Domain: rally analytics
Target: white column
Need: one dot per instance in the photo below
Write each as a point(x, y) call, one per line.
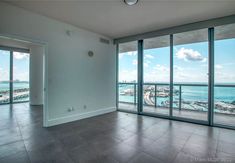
point(36, 75)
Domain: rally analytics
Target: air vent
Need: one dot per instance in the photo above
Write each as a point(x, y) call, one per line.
point(103, 40)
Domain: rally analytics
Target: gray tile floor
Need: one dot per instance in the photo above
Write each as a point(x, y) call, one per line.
point(114, 137)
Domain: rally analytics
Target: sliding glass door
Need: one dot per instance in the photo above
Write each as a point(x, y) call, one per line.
point(4, 76)
point(156, 75)
point(190, 75)
point(14, 76)
point(224, 70)
point(20, 76)
point(127, 76)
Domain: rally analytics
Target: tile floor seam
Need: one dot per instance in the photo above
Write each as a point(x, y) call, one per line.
point(154, 156)
point(23, 141)
point(217, 145)
point(181, 150)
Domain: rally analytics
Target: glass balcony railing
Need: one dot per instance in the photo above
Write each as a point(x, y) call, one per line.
point(193, 97)
point(19, 95)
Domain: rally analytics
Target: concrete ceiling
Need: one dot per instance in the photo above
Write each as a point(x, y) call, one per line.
point(114, 19)
point(221, 32)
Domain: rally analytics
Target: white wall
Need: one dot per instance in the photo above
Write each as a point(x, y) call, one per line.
point(73, 79)
point(36, 75)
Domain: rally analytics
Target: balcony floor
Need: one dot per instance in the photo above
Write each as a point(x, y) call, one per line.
point(218, 118)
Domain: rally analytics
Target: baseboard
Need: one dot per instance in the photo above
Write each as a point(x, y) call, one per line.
point(36, 104)
point(70, 118)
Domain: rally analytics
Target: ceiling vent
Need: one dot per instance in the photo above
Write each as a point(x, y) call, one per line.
point(103, 40)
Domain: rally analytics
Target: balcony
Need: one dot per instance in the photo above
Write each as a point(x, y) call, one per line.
point(189, 100)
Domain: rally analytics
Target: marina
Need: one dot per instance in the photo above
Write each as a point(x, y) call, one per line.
point(185, 96)
point(20, 92)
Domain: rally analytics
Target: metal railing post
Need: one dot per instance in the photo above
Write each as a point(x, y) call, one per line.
point(135, 94)
point(117, 83)
point(180, 89)
point(155, 93)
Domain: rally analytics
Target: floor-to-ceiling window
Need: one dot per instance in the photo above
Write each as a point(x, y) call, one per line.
point(4, 76)
point(224, 72)
point(190, 74)
point(186, 76)
point(14, 76)
point(20, 76)
point(127, 76)
point(156, 75)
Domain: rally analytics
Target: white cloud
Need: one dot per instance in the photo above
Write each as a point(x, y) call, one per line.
point(224, 77)
point(218, 66)
point(4, 52)
point(161, 68)
point(146, 64)
point(121, 55)
point(159, 73)
point(127, 75)
point(131, 53)
point(18, 55)
point(134, 62)
point(22, 76)
point(149, 56)
point(4, 75)
point(178, 68)
point(190, 55)
point(183, 76)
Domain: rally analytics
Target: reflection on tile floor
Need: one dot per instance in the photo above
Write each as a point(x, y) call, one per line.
point(218, 117)
point(113, 137)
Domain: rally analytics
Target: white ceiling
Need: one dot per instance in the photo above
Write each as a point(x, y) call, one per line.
point(114, 19)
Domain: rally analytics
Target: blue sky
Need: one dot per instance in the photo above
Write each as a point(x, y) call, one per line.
point(190, 63)
point(20, 66)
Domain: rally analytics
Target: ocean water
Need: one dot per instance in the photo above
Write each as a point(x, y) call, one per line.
point(189, 93)
point(18, 85)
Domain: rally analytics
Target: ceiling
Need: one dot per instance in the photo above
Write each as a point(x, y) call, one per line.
point(114, 19)
point(201, 35)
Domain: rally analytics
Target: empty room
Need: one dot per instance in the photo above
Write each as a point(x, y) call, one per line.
point(117, 81)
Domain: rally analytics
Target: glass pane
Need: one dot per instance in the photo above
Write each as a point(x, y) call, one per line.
point(190, 87)
point(20, 77)
point(224, 91)
point(156, 92)
point(4, 76)
point(127, 76)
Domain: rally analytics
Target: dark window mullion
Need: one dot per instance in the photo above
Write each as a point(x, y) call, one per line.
point(171, 75)
point(11, 77)
point(211, 77)
point(140, 76)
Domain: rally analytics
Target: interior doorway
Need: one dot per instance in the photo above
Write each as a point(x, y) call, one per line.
point(23, 78)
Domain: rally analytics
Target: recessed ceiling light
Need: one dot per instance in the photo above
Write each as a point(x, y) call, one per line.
point(130, 2)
